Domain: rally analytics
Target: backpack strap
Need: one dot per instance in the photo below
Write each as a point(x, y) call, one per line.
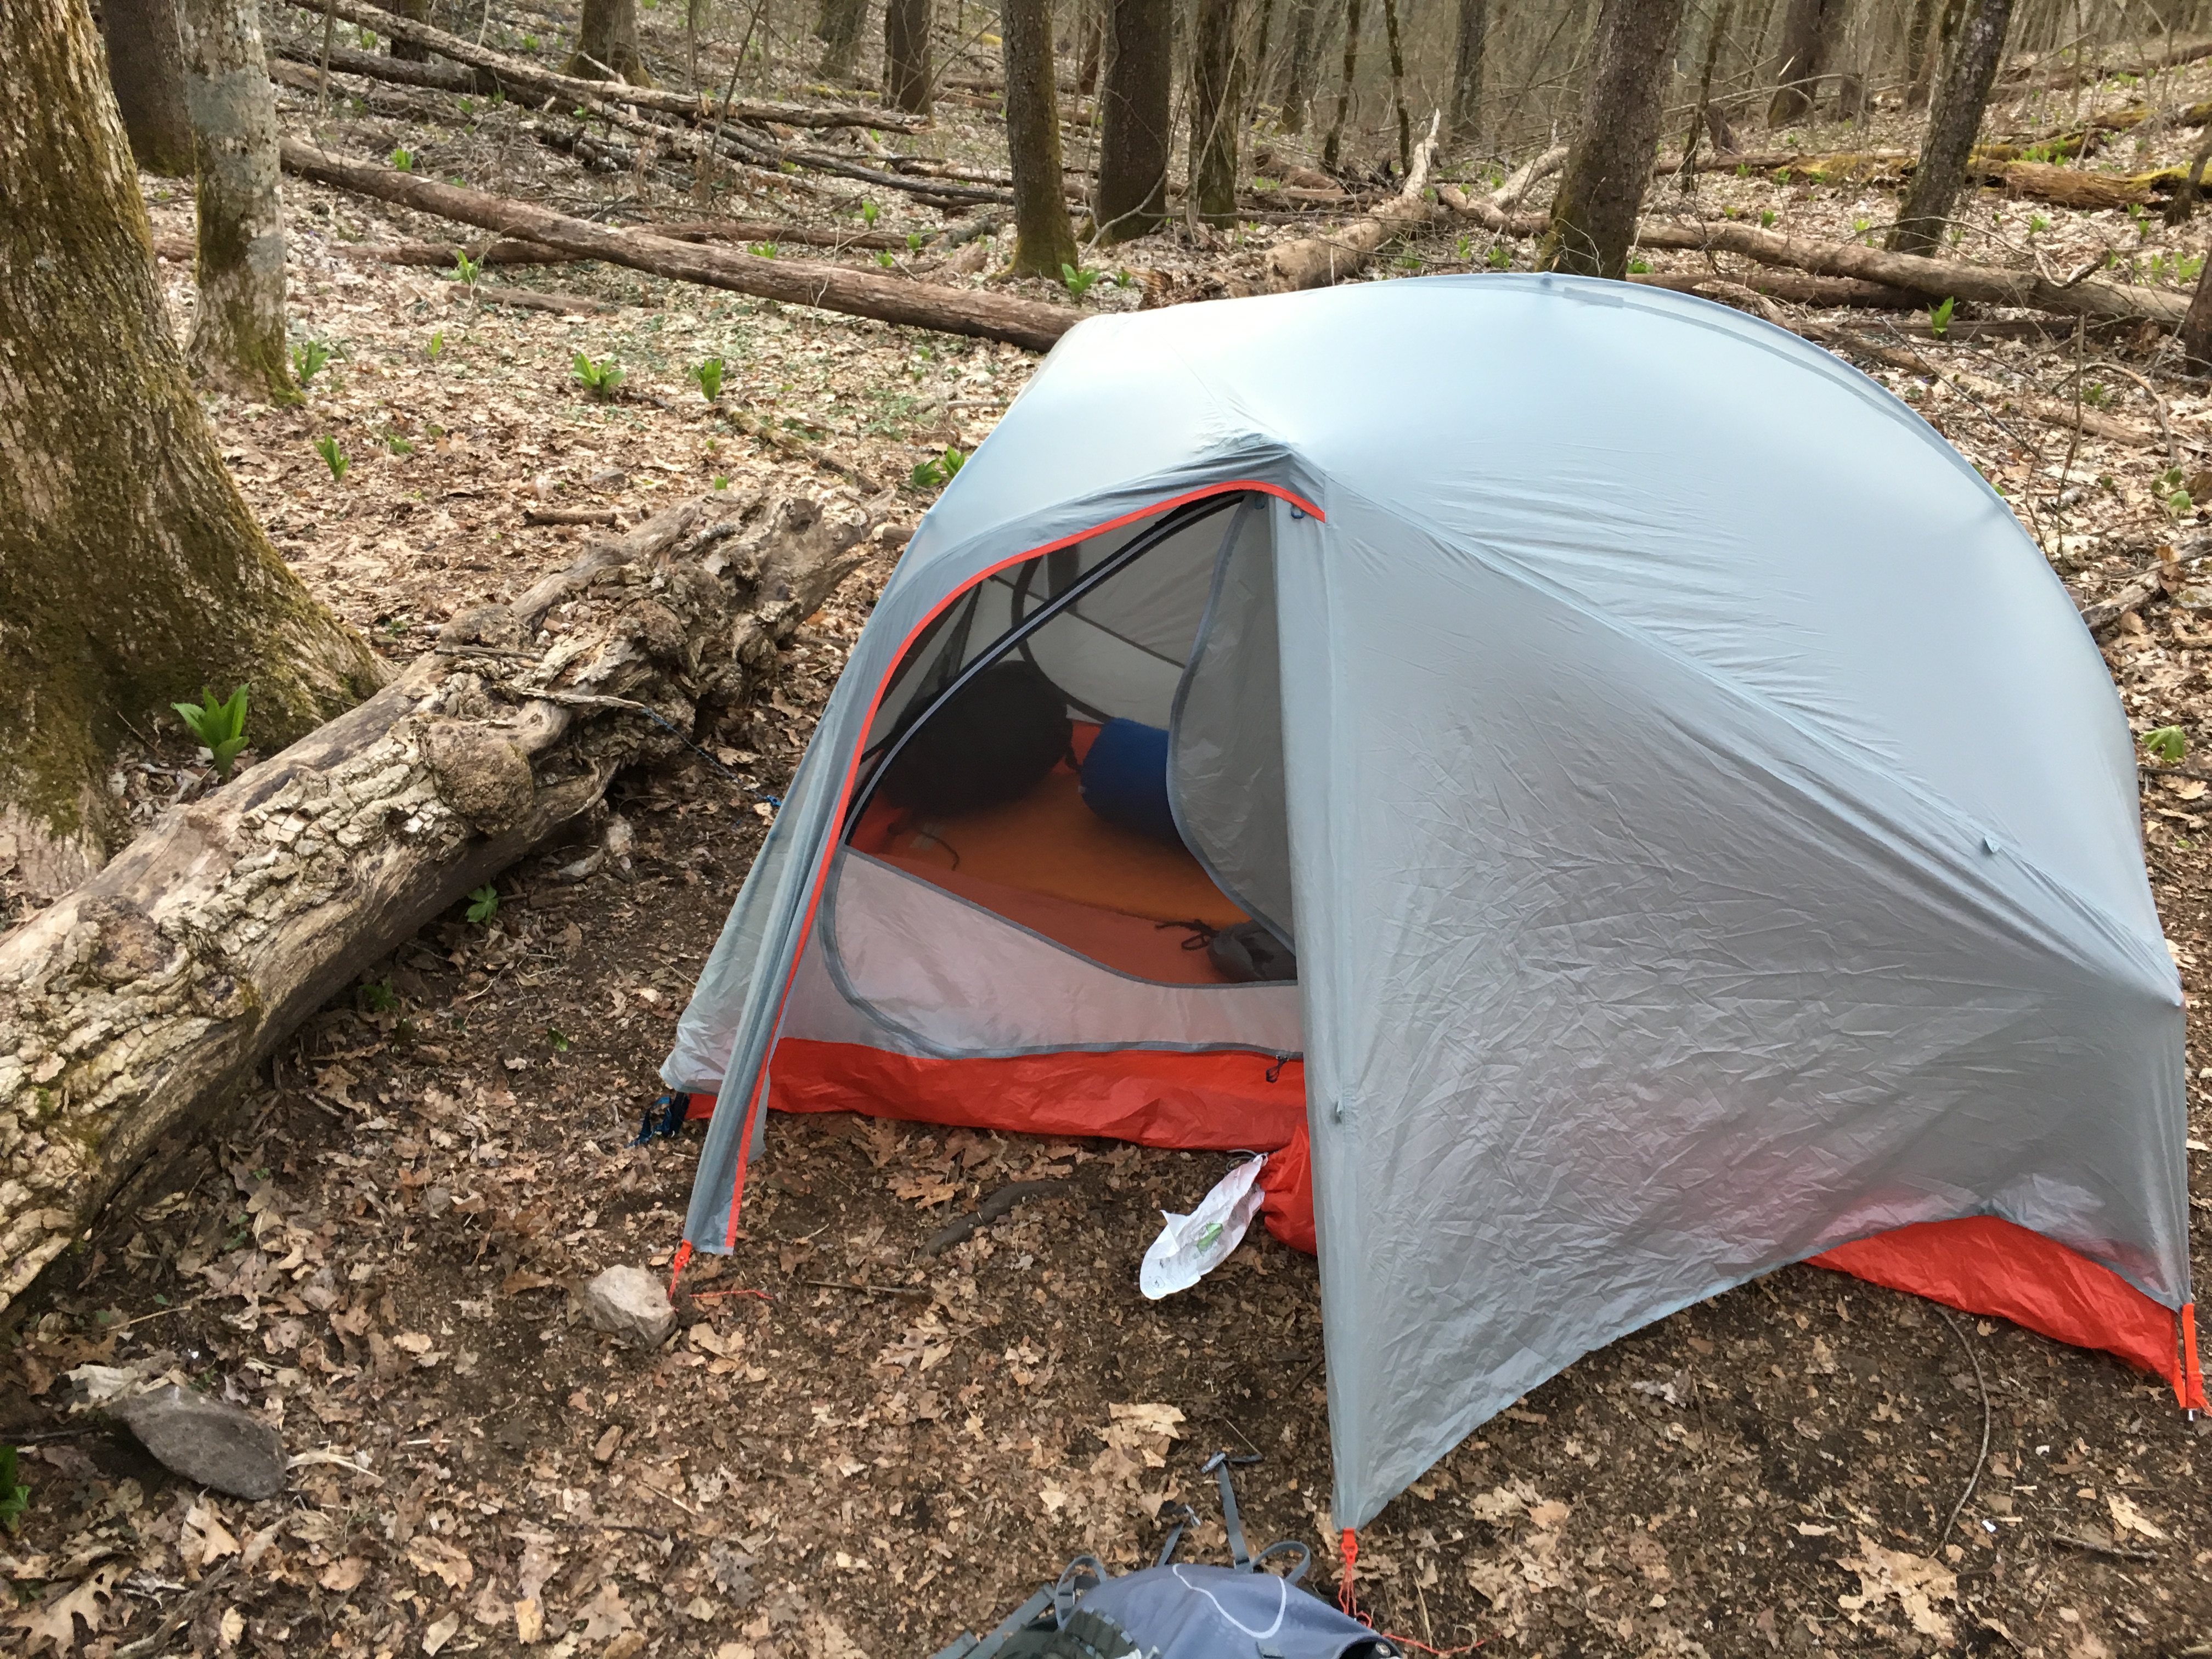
point(1065, 1593)
point(1305, 1559)
point(1218, 1466)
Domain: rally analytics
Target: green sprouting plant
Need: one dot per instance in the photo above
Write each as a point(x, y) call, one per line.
point(2188, 267)
point(333, 456)
point(601, 379)
point(2173, 492)
point(1742, 170)
point(721, 481)
point(1939, 317)
point(1782, 175)
point(1499, 258)
point(764, 250)
point(708, 377)
point(1860, 226)
point(484, 904)
point(398, 445)
point(1077, 281)
point(466, 269)
point(219, 727)
point(377, 996)
point(913, 241)
point(2095, 393)
point(15, 1496)
point(883, 258)
point(1766, 218)
point(308, 358)
point(940, 470)
point(437, 347)
point(404, 160)
point(1464, 250)
point(530, 43)
point(2037, 224)
point(2169, 745)
point(558, 1038)
point(869, 213)
point(1638, 267)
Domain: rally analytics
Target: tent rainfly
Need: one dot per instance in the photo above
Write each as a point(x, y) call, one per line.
point(1707, 834)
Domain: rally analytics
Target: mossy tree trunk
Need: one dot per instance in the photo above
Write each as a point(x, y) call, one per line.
point(1952, 125)
point(1044, 239)
point(1136, 117)
point(606, 39)
point(1217, 98)
point(1332, 147)
point(1300, 63)
point(237, 329)
point(842, 24)
point(1466, 121)
point(1601, 191)
point(907, 83)
point(146, 68)
point(132, 573)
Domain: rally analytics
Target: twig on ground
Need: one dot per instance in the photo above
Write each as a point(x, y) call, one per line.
point(1983, 1457)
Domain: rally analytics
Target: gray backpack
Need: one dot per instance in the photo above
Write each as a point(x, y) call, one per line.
point(1179, 1611)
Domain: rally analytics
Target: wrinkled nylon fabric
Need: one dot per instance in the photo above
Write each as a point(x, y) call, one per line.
point(1713, 834)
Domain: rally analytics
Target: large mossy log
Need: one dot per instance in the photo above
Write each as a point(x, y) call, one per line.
point(135, 1006)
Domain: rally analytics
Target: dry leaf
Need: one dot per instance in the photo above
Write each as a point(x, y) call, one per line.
point(605, 1614)
point(529, 1620)
point(826, 1640)
point(607, 1442)
point(230, 1627)
point(435, 1555)
point(2128, 1518)
point(54, 1623)
point(441, 1633)
point(344, 1575)
point(205, 1538)
point(1549, 1514)
point(1917, 1583)
point(925, 1190)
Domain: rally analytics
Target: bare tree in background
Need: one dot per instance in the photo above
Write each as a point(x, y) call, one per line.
point(1810, 29)
point(606, 40)
point(1044, 239)
point(1928, 52)
point(1217, 87)
point(406, 51)
point(130, 571)
point(1332, 147)
point(1952, 125)
point(1136, 131)
point(1300, 61)
point(237, 326)
point(146, 68)
point(1398, 87)
point(1474, 29)
point(843, 23)
point(908, 83)
point(1601, 193)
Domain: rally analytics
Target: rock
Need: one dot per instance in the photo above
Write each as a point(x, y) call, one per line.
point(208, 1441)
point(630, 1301)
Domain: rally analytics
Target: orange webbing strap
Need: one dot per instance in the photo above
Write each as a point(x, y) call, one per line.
point(1348, 1546)
point(675, 1268)
point(2190, 1385)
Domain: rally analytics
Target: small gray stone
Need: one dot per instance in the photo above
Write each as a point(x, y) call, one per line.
point(207, 1441)
point(630, 1301)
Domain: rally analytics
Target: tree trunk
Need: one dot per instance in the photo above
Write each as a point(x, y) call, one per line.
point(1300, 61)
point(132, 1008)
point(1928, 59)
point(1467, 71)
point(1810, 30)
point(1135, 120)
point(237, 326)
point(907, 82)
point(843, 21)
point(1716, 32)
point(406, 51)
point(1601, 193)
point(1398, 87)
point(146, 68)
point(2197, 323)
point(1094, 49)
point(1952, 125)
point(606, 43)
point(1044, 239)
point(1217, 95)
point(1255, 72)
point(1332, 147)
point(132, 573)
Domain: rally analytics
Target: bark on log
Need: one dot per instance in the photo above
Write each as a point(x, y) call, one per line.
point(509, 251)
point(1795, 286)
point(133, 1007)
point(432, 76)
point(1027, 323)
point(1319, 261)
point(541, 83)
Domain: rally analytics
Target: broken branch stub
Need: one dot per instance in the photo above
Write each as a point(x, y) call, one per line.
point(133, 1007)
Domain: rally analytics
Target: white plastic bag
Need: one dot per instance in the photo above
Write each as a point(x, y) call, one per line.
point(1192, 1246)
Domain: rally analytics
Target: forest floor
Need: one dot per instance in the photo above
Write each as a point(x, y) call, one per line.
point(850, 1449)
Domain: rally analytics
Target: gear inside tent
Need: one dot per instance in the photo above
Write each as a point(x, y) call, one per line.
point(1595, 787)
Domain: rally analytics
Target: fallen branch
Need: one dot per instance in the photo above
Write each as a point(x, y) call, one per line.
point(130, 1009)
point(1795, 286)
point(541, 83)
point(1027, 323)
point(399, 71)
point(1319, 261)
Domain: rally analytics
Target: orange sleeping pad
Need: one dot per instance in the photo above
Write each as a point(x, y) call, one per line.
point(1052, 865)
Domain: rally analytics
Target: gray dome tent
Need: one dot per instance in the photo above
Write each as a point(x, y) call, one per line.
point(1708, 835)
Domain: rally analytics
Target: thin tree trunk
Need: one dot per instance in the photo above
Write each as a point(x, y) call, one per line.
point(2196, 334)
point(606, 42)
point(907, 80)
point(843, 23)
point(1044, 239)
point(132, 573)
point(406, 51)
point(237, 326)
point(1934, 47)
point(1135, 120)
point(1332, 147)
point(1809, 28)
point(1094, 48)
point(1601, 193)
point(1952, 125)
point(1256, 70)
point(1217, 88)
point(1299, 62)
point(1398, 88)
point(1467, 71)
point(146, 68)
point(1716, 32)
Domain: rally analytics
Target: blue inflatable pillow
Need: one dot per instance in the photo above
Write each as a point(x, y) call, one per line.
point(1125, 779)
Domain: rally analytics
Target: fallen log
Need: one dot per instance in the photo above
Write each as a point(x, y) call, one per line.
point(1021, 322)
point(1827, 291)
point(1319, 261)
point(529, 80)
point(133, 1007)
point(511, 251)
point(375, 66)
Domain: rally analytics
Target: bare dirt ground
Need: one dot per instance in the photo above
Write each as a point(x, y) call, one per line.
point(852, 1449)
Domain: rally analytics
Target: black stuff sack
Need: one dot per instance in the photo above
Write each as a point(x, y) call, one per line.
point(992, 742)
